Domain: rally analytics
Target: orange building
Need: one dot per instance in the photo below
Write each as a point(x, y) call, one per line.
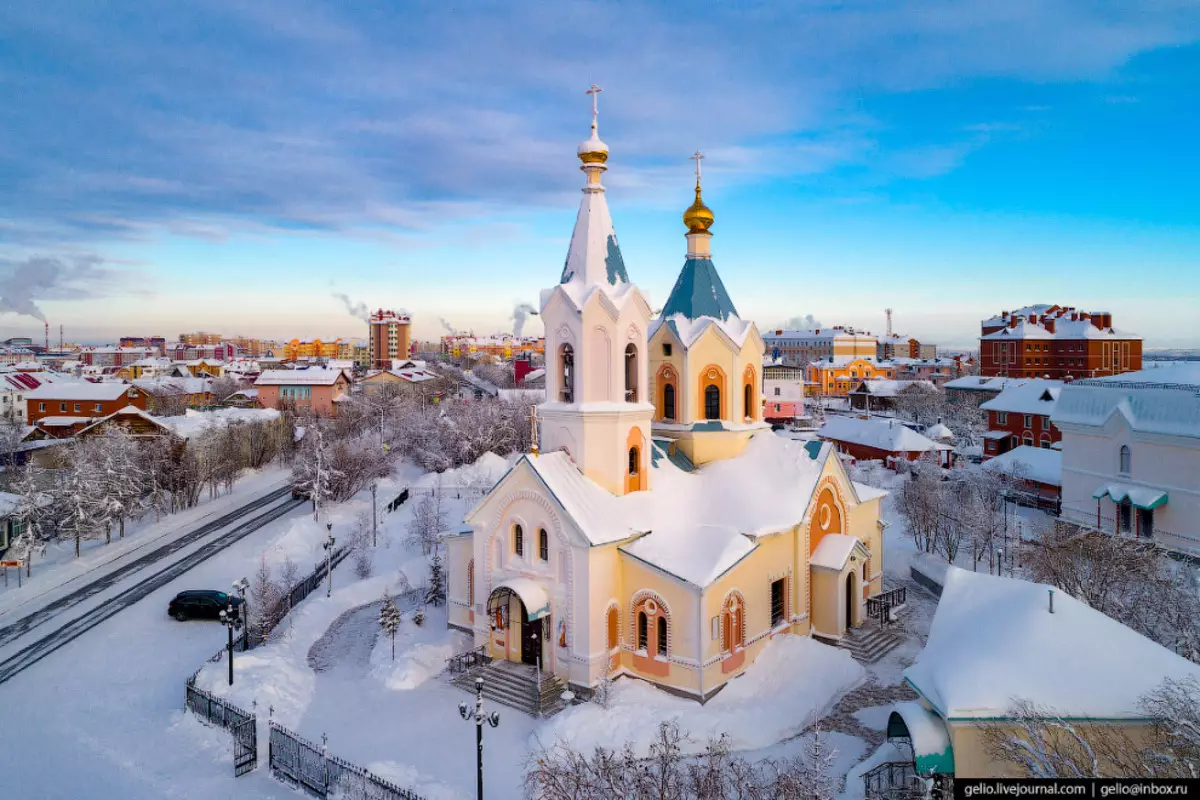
point(389, 338)
point(297, 349)
point(831, 379)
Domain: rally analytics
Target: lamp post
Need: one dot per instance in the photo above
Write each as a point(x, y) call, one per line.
point(240, 586)
point(329, 557)
point(230, 620)
point(374, 512)
point(479, 717)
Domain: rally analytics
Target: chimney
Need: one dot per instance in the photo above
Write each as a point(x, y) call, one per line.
point(779, 333)
point(1051, 601)
point(1033, 318)
point(1049, 324)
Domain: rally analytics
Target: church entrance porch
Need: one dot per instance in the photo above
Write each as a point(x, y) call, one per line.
point(837, 589)
point(518, 610)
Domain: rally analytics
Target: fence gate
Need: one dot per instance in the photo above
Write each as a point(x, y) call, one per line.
point(245, 746)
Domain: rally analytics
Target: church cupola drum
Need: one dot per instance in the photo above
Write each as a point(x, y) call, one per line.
point(597, 321)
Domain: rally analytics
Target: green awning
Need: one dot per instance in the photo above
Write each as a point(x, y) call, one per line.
point(1138, 496)
point(926, 732)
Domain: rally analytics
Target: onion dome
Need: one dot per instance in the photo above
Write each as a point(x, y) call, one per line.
point(593, 151)
point(698, 217)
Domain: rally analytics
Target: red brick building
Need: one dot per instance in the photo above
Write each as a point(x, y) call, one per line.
point(114, 356)
point(881, 439)
point(1020, 416)
point(1056, 342)
point(65, 408)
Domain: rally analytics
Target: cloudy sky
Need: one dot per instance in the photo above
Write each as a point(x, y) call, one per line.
point(227, 165)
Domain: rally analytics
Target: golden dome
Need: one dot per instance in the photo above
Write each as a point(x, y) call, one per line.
point(698, 217)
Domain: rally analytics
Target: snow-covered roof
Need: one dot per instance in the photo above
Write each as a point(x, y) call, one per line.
point(699, 292)
point(312, 376)
point(981, 383)
point(1182, 374)
point(1145, 407)
point(1040, 464)
point(79, 390)
point(821, 334)
point(886, 435)
point(127, 411)
point(174, 386)
point(928, 736)
point(883, 387)
point(62, 421)
point(939, 432)
point(1037, 396)
point(996, 434)
point(994, 640)
point(866, 492)
point(684, 524)
point(833, 551)
point(407, 374)
point(1063, 329)
point(689, 330)
point(594, 257)
point(193, 422)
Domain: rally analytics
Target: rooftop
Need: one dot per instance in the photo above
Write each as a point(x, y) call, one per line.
point(887, 435)
point(1040, 464)
point(312, 376)
point(1035, 396)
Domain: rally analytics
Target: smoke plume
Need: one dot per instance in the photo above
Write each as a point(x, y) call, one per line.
point(24, 283)
point(446, 324)
point(354, 309)
point(519, 315)
point(806, 323)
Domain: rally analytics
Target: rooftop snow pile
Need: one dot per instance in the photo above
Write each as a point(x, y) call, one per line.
point(1039, 464)
point(1036, 396)
point(994, 640)
point(880, 434)
point(193, 422)
point(81, 390)
point(312, 376)
point(981, 383)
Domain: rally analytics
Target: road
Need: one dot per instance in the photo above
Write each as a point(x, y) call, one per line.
point(132, 582)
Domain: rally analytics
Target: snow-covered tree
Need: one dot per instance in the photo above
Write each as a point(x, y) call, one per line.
point(389, 619)
point(435, 593)
point(266, 602)
point(428, 520)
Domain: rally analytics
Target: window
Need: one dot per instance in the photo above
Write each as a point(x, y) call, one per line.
point(471, 583)
point(99, 408)
point(1045, 423)
point(643, 631)
point(62, 406)
point(633, 461)
point(669, 401)
point(543, 545)
point(566, 373)
point(777, 391)
point(1027, 439)
point(612, 628)
point(662, 635)
point(1001, 417)
point(1029, 420)
point(41, 406)
point(666, 349)
point(1125, 461)
point(77, 408)
point(777, 602)
point(1045, 441)
point(712, 402)
point(631, 374)
point(518, 540)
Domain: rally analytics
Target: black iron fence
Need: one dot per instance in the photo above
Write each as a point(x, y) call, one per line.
point(882, 604)
point(302, 764)
point(400, 500)
point(302, 589)
point(212, 710)
point(465, 662)
point(892, 780)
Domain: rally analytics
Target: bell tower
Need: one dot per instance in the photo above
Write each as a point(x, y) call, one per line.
point(597, 405)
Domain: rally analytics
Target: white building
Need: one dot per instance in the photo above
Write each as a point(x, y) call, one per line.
point(1131, 454)
point(782, 391)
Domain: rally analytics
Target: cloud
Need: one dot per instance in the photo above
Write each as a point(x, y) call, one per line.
point(310, 117)
point(26, 283)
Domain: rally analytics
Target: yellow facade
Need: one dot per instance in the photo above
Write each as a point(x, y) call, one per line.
point(297, 349)
point(832, 379)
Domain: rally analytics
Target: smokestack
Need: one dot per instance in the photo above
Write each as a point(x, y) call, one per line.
point(47, 337)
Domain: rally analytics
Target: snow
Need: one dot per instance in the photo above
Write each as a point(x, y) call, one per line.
point(311, 376)
point(698, 555)
point(421, 653)
point(1146, 409)
point(690, 330)
point(765, 705)
point(1037, 396)
point(194, 423)
point(1183, 373)
point(81, 391)
point(874, 717)
point(886, 435)
point(927, 733)
point(175, 386)
point(886, 752)
point(1040, 464)
point(833, 551)
point(1140, 496)
point(993, 640)
point(939, 432)
point(981, 383)
point(883, 387)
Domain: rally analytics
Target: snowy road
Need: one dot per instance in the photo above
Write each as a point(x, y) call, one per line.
point(138, 586)
point(102, 715)
point(110, 577)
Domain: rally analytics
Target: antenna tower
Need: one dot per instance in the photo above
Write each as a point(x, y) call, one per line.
point(888, 311)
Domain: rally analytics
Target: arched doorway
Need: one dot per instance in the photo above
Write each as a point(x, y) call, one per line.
point(851, 601)
point(518, 612)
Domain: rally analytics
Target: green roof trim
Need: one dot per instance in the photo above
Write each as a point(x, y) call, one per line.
point(813, 448)
point(1138, 497)
point(699, 293)
point(614, 264)
point(926, 732)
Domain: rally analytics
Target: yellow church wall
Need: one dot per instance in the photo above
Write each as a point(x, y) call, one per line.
point(683, 604)
point(459, 552)
point(605, 577)
point(863, 522)
point(972, 760)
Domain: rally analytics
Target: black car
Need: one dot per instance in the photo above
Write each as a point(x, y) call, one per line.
point(202, 604)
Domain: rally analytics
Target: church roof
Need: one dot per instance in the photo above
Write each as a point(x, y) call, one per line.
point(699, 293)
point(594, 256)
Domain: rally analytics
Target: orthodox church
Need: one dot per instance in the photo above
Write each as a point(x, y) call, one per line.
point(660, 529)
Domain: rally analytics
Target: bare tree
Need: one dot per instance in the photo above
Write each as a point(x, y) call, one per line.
point(428, 520)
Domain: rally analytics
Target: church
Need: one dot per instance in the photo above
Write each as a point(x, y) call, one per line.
point(659, 529)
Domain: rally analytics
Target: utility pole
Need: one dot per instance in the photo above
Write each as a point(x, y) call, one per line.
point(479, 718)
point(329, 557)
point(374, 513)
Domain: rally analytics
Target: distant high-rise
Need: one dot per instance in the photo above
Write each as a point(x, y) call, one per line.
point(388, 337)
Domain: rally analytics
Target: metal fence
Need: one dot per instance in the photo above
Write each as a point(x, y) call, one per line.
point(302, 589)
point(243, 725)
point(892, 780)
point(302, 764)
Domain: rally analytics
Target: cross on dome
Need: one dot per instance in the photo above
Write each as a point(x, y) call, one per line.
point(697, 156)
point(595, 93)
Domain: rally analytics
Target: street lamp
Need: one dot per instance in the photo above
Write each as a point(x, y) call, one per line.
point(374, 511)
point(329, 557)
point(231, 620)
point(240, 586)
point(492, 719)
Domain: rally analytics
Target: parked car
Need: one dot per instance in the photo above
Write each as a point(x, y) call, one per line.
point(299, 494)
point(202, 604)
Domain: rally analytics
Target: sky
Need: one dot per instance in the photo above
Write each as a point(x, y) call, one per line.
point(229, 166)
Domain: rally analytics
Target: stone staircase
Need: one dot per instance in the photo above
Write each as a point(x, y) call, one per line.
point(868, 643)
point(515, 685)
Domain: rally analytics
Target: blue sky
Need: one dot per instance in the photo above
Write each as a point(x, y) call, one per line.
point(227, 165)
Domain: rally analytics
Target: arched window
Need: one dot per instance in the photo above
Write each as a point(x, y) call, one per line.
point(1027, 439)
point(662, 635)
point(712, 402)
point(733, 616)
point(543, 545)
point(643, 631)
point(1126, 460)
point(634, 459)
point(748, 401)
point(613, 639)
point(566, 373)
point(631, 373)
point(669, 401)
point(1045, 441)
point(471, 583)
point(518, 541)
